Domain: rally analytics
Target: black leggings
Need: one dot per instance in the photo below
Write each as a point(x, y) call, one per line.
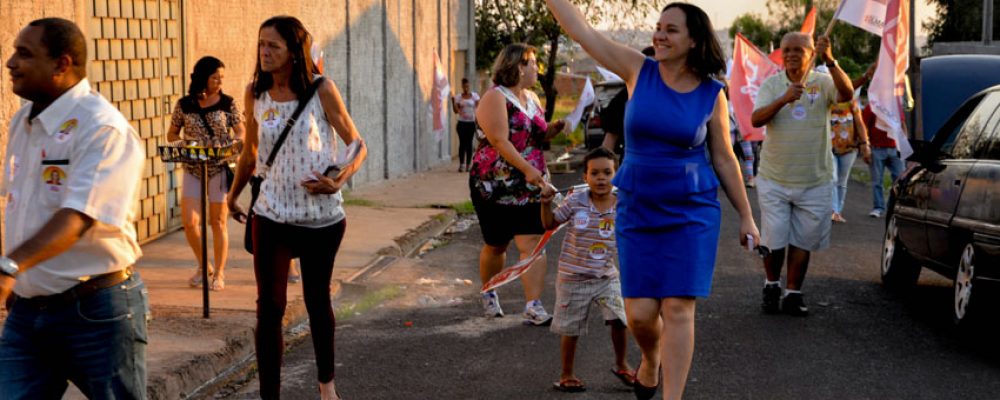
point(275, 245)
point(466, 131)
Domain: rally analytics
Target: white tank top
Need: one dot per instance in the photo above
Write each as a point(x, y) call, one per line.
point(311, 146)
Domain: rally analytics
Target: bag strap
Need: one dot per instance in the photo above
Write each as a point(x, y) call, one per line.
point(291, 121)
point(288, 128)
point(204, 120)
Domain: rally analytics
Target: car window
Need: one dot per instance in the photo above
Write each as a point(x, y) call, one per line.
point(989, 144)
point(963, 144)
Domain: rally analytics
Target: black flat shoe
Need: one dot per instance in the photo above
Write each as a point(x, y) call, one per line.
point(643, 392)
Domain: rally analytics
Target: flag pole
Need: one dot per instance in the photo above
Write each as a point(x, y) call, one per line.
point(827, 32)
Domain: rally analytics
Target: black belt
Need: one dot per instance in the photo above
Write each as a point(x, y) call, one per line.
point(80, 291)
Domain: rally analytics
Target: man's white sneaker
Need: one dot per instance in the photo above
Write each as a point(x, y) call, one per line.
point(875, 214)
point(535, 314)
point(491, 305)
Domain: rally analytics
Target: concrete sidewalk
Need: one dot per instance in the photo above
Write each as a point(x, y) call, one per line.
point(187, 353)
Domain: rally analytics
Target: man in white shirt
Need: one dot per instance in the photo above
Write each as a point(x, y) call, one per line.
point(71, 178)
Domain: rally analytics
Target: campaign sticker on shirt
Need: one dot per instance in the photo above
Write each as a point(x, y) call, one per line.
point(812, 93)
point(606, 228)
point(54, 178)
point(598, 251)
point(65, 130)
point(799, 112)
point(271, 118)
point(581, 219)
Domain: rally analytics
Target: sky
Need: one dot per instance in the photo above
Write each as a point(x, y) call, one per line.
point(723, 12)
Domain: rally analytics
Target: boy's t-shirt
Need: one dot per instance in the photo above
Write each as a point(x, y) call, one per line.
point(589, 250)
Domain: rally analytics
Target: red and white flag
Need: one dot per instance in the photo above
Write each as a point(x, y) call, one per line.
point(750, 68)
point(870, 15)
point(808, 27)
point(511, 273)
point(888, 86)
point(440, 99)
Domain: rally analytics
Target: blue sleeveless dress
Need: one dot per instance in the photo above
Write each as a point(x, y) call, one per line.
point(668, 208)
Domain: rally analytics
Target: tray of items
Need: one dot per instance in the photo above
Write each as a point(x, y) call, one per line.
point(191, 152)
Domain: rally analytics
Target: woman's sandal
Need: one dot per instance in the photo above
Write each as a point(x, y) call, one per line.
point(572, 385)
point(218, 282)
point(625, 375)
point(195, 280)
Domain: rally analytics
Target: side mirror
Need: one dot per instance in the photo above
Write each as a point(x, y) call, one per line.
point(921, 150)
point(927, 155)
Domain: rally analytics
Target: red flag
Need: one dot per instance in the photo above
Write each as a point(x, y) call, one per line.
point(750, 68)
point(808, 26)
point(888, 85)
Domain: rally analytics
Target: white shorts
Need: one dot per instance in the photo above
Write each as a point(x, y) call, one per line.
point(216, 187)
point(573, 300)
point(795, 216)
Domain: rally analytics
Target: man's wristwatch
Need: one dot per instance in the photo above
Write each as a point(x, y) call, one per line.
point(8, 267)
point(832, 64)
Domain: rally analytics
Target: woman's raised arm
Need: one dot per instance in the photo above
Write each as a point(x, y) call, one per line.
point(620, 59)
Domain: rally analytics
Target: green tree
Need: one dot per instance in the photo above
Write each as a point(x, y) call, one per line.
point(960, 21)
point(753, 27)
point(501, 22)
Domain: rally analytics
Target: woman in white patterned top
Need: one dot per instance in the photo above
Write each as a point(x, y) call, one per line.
point(299, 212)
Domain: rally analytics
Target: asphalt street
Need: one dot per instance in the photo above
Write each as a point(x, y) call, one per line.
point(428, 341)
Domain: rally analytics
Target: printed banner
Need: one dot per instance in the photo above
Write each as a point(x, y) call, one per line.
point(888, 86)
point(750, 68)
point(870, 15)
point(509, 274)
point(586, 99)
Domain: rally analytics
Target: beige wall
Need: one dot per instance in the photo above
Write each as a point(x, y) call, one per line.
point(378, 52)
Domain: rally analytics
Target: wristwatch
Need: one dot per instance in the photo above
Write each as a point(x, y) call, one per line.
point(832, 64)
point(8, 267)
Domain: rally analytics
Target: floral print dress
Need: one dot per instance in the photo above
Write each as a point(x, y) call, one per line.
point(491, 175)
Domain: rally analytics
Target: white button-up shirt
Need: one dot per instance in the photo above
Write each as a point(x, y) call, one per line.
point(81, 154)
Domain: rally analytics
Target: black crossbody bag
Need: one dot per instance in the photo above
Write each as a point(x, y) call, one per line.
point(255, 180)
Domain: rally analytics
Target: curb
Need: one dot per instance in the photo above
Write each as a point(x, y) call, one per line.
point(205, 374)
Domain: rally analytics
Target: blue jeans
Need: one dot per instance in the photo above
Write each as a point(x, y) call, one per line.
point(841, 173)
point(882, 158)
point(97, 342)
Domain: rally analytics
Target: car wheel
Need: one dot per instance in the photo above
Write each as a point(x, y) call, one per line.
point(899, 270)
point(966, 299)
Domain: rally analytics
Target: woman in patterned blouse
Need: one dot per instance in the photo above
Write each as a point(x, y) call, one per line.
point(205, 98)
point(507, 174)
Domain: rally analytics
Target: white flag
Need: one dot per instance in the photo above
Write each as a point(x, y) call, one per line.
point(888, 86)
point(586, 99)
point(608, 75)
point(865, 14)
point(440, 100)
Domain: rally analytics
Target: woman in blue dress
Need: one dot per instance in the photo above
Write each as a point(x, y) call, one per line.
point(677, 150)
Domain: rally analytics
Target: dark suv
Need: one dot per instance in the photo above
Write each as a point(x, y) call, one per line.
point(604, 93)
point(944, 211)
